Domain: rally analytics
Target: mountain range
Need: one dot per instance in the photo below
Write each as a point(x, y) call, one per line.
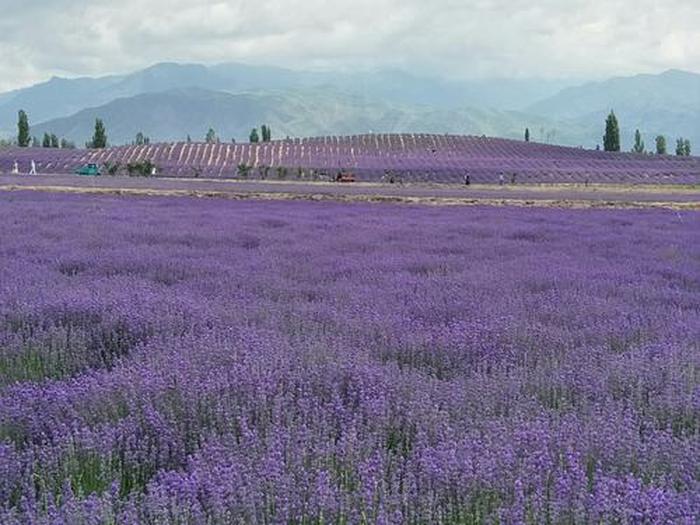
point(168, 102)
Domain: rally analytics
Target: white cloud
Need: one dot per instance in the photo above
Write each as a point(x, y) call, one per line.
point(555, 38)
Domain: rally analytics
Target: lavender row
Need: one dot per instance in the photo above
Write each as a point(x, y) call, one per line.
point(411, 158)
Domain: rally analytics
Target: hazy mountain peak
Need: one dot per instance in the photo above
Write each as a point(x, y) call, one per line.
point(319, 103)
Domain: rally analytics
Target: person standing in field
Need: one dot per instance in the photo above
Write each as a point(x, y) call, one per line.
point(15, 168)
point(32, 169)
point(500, 179)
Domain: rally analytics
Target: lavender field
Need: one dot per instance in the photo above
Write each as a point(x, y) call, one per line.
point(411, 158)
point(185, 361)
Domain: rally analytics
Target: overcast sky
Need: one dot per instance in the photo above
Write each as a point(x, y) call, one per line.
point(462, 38)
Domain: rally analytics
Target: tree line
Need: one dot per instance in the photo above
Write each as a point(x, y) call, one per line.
point(611, 140)
point(99, 138)
point(50, 140)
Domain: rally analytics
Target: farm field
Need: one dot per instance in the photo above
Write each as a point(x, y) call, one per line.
point(410, 158)
point(189, 361)
point(562, 195)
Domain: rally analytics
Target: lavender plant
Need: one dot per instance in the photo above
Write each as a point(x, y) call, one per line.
point(210, 362)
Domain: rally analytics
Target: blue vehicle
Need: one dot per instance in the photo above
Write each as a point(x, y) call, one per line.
point(92, 170)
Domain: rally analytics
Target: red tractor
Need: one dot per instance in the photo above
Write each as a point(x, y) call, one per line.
point(345, 176)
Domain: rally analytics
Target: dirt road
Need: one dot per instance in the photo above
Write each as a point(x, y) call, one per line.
point(680, 197)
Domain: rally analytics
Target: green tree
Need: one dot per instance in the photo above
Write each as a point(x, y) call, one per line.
point(23, 138)
point(639, 146)
point(680, 147)
point(46, 142)
point(254, 138)
point(189, 139)
point(140, 140)
point(527, 134)
point(99, 138)
point(54, 140)
point(210, 137)
point(661, 148)
point(611, 139)
point(686, 148)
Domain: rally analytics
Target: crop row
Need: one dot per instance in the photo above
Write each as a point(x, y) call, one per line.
point(433, 158)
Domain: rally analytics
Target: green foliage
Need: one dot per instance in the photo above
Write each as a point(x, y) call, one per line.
point(32, 364)
point(683, 147)
point(141, 139)
point(99, 138)
point(143, 168)
point(527, 134)
point(611, 139)
point(661, 148)
point(46, 142)
point(23, 138)
point(639, 146)
point(254, 137)
point(210, 137)
point(112, 169)
point(54, 141)
point(266, 133)
point(243, 171)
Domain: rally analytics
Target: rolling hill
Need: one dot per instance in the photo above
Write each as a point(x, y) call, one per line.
point(411, 157)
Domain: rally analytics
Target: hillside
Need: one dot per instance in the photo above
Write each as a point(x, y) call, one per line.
point(411, 157)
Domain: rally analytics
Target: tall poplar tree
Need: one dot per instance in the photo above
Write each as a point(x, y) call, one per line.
point(99, 138)
point(661, 148)
point(23, 138)
point(680, 147)
point(639, 146)
point(611, 140)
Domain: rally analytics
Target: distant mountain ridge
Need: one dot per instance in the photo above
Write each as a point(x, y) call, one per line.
point(667, 104)
point(61, 97)
point(169, 101)
point(173, 115)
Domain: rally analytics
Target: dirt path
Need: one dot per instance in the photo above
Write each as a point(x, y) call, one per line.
point(570, 196)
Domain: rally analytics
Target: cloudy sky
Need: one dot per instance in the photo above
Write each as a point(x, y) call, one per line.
point(460, 38)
